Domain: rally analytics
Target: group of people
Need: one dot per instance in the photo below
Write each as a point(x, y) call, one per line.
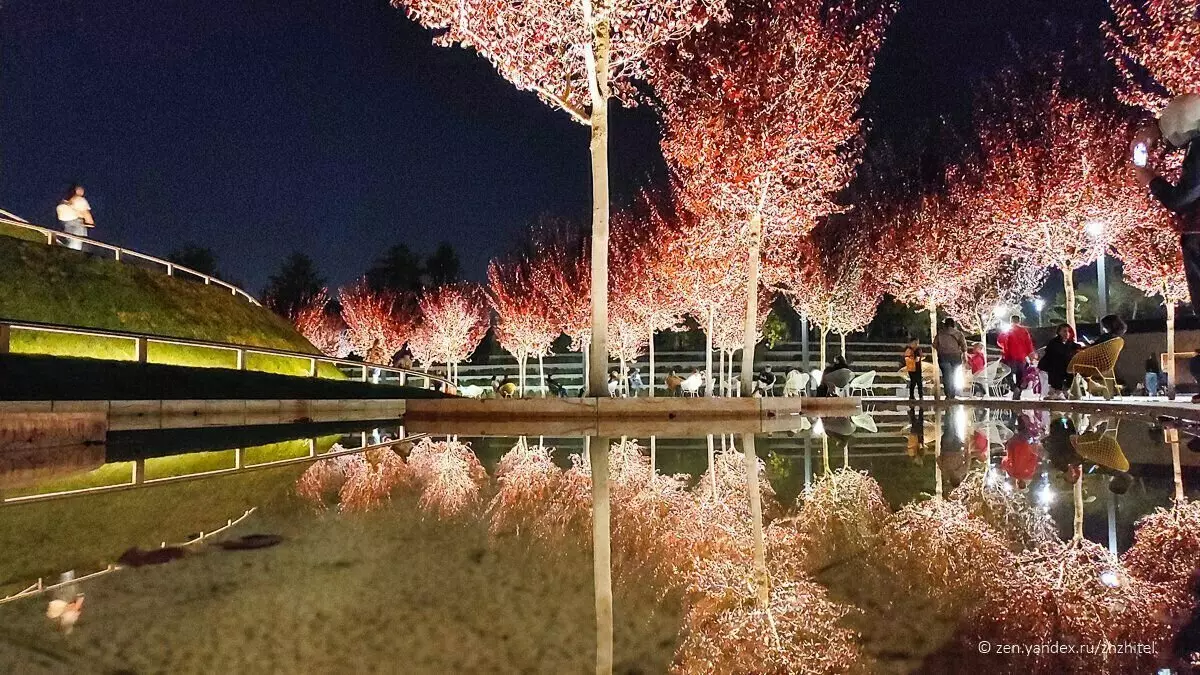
point(1019, 356)
point(75, 216)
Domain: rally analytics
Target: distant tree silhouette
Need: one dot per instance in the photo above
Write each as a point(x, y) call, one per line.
point(199, 258)
point(294, 286)
point(442, 267)
point(399, 270)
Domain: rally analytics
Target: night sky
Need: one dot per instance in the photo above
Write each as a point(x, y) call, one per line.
point(257, 128)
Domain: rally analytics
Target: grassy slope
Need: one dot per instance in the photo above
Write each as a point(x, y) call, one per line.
point(56, 285)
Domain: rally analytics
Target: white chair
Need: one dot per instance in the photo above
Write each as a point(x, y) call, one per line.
point(471, 391)
point(796, 383)
point(864, 383)
point(991, 378)
point(691, 385)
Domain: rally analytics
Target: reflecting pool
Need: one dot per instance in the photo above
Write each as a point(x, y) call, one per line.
point(899, 540)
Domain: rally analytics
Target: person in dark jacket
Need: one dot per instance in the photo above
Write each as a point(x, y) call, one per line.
point(951, 346)
point(1179, 126)
point(1112, 327)
point(1057, 355)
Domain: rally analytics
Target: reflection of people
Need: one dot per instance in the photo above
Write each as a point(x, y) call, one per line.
point(914, 438)
point(75, 214)
point(635, 381)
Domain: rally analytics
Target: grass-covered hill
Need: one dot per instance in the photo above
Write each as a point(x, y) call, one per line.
point(57, 285)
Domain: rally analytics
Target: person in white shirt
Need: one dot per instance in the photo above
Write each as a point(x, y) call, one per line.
point(75, 214)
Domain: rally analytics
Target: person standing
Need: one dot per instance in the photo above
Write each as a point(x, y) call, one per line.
point(1179, 126)
point(1155, 378)
point(75, 215)
point(912, 366)
point(1016, 346)
point(951, 346)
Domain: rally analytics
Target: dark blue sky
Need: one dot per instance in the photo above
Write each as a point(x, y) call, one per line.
point(257, 127)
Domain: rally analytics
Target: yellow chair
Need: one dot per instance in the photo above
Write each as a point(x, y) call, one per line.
point(508, 390)
point(1099, 361)
point(1102, 449)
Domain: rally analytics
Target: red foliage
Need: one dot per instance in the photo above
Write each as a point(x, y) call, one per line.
point(526, 324)
point(377, 323)
point(1154, 44)
point(320, 327)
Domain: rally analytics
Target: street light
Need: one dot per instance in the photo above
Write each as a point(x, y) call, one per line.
point(1038, 305)
point(1095, 228)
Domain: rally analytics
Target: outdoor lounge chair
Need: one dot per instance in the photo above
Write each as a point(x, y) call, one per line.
point(796, 383)
point(864, 383)
point(1098, 361)
point(991, 378)
point(691, 385)
point(837, 381)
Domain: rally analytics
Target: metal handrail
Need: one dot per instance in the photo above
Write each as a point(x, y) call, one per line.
point(143, 340)
point(119, 253)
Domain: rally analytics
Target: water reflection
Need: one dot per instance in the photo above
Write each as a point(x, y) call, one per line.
point(1002, 526)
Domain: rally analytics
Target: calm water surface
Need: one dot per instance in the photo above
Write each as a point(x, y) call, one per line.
point(894, 541)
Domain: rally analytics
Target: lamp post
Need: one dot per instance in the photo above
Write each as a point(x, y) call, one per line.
point(1096, 229)
point(1038, 305)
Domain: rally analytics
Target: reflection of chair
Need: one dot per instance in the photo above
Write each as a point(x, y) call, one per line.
point(991, 378)
point(838, 380)
point(796, 383)
point(691, 385)
point(864, 383)
point(471, 391)
point(865, 422)
point(1099, 361)
point(1102, 449)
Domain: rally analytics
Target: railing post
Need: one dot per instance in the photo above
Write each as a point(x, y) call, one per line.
point(427, 382)
point(312, 367)
point(5, 338)
point(207, 280)
point(364, 373)
point(139, 471)
point(237, 458)
point(117, 254)
point(50, 238)
point(140, 353)
point(170, 270)
point(312, 447)
point(241, 359)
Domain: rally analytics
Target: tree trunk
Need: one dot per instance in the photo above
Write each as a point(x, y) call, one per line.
point(842, 337)
point(750, 336)
point(1069, 291)
point(598, 55)
point(708, 350)
point(1173, 435)
point(824, 334)
point(623, 378)
point(983, 343)
point(542, 374)
point(805, 349)
point(652, 369)
point(584, 391)
point(653, 458)
point(1078, 523)
point(762, 580)
point(721, 385)
point(937, 453)
point(1171, 349)
point(602, 557)
point(730, 372)
point(937, 373)
point(712, 465)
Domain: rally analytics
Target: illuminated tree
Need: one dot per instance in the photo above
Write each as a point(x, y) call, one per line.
point(1055, 169)
point(933, 253)
point(524, 324)
point(561, 273)
point(761, 119)
point(575, 56)
point(321, 327)
point(450, 476)
point(377, 323)
point(729, 322)
point(454, 318)
point(1154, 44)
point(1008, 279)
point(645, 298)
point(1153, 263)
